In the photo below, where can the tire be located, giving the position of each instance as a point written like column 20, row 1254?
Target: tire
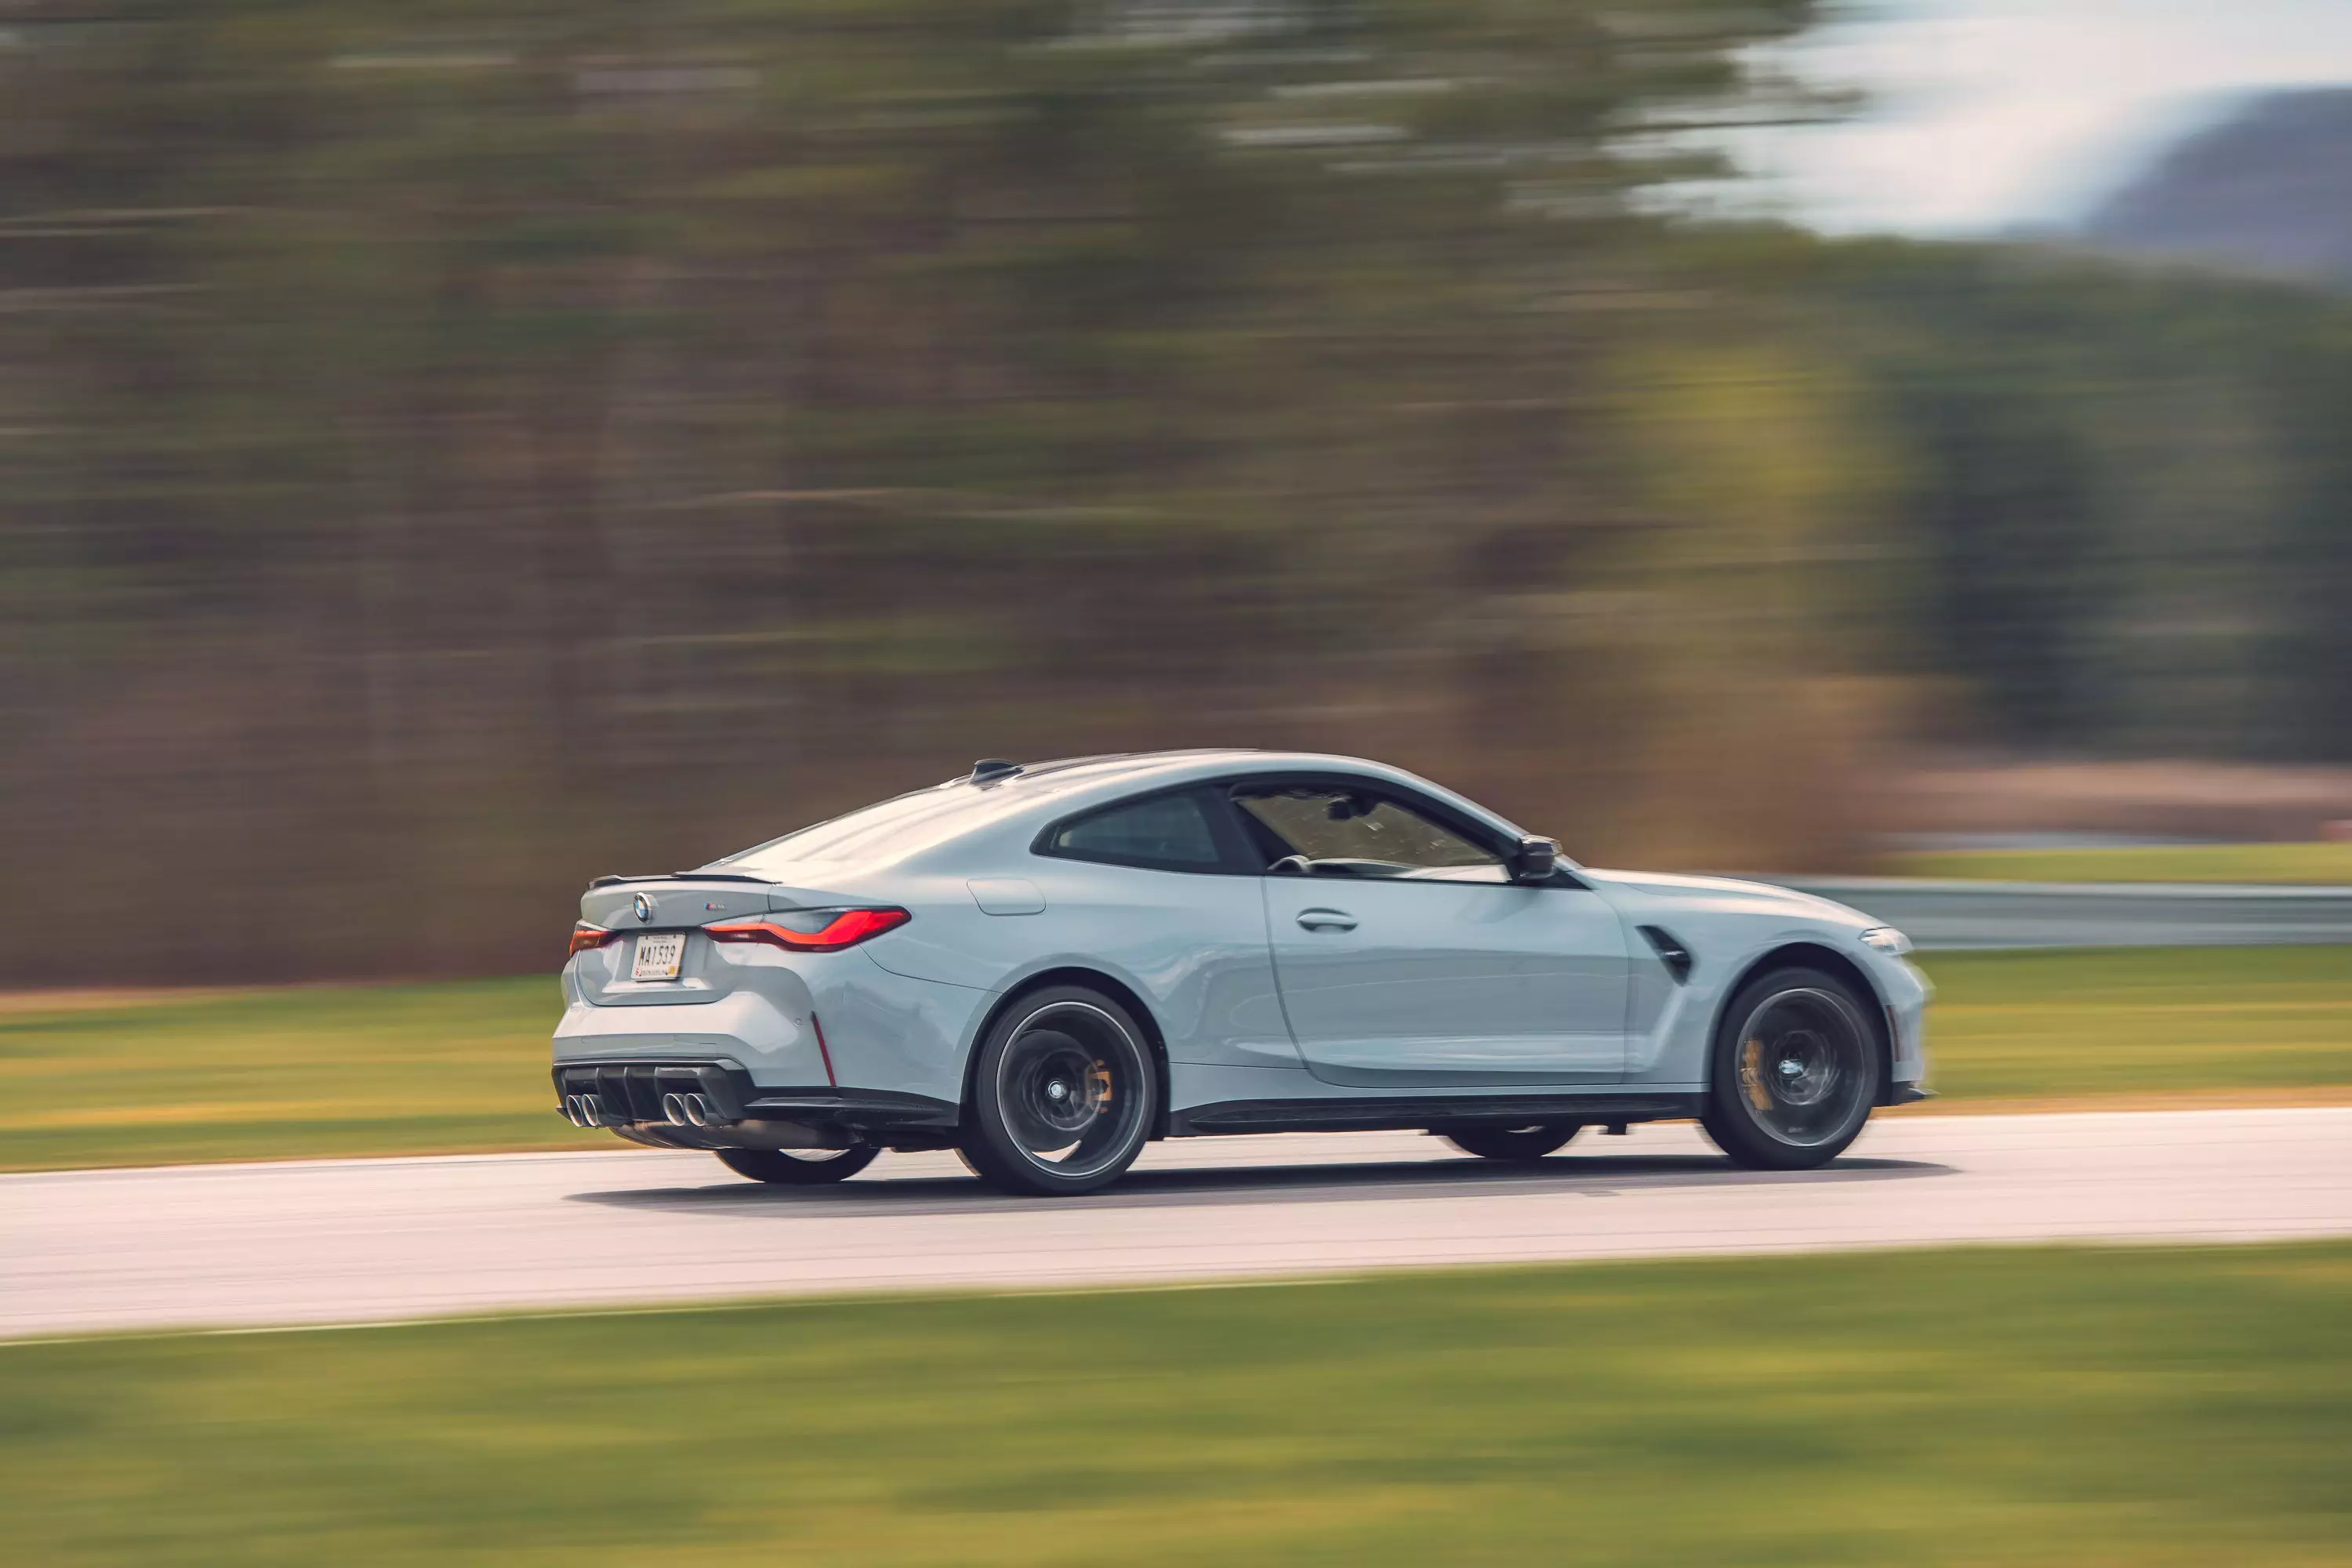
column 1063, row 1095
column 1794, row 1071
column 1521, row 1145
column 799, row 1167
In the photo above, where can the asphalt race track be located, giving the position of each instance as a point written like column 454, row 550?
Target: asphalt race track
column 348, row 1241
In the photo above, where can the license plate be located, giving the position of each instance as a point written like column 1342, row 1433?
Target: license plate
column 658, row 956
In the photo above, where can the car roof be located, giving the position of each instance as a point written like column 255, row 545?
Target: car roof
column 987, row 802
column 1075, row 782
column 1127, row 768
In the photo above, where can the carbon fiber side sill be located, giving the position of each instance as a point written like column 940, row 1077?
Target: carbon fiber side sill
column 1410, row 1114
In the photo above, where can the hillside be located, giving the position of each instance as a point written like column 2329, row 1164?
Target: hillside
column 2267, row 190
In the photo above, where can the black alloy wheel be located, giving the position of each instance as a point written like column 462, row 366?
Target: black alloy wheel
column 1063, row 1095
column 799, row 1167
column 1515, row 1144
column 1796, row 1070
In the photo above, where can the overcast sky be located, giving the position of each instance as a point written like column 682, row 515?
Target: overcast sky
column 1992, row 114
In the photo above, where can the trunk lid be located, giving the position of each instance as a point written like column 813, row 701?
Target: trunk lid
column 708, row 971
column 672, row 902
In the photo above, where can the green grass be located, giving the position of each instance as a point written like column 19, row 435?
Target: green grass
column 2130, row 1023
column 1966, row 1407
column 332, row 1070
column 2327, row 864
column 341, row 1069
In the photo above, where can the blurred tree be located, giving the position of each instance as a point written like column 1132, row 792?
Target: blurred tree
column 450, row 450
column 461, row 448
column 2125, row 487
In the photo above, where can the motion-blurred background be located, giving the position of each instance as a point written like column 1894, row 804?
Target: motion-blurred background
column 451, row 451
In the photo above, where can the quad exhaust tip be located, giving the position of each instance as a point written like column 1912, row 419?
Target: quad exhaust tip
column 677, row 1110
column 688, row 1110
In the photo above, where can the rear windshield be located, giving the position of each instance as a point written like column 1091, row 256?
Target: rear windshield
column 893, row 827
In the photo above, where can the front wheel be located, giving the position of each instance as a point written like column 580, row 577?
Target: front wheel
column 799, row 1167
column 1518, row 1145
column 1795, row 1072
column 1063, row 1095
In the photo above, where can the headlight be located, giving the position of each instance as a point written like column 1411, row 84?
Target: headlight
column 1886, row 939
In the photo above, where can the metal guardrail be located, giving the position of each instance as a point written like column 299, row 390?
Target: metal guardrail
column 1949, row 915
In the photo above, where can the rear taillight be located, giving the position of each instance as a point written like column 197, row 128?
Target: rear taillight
column 586, row 938
column 813, row 931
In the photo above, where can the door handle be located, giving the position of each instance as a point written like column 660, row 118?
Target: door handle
column 1326, row 920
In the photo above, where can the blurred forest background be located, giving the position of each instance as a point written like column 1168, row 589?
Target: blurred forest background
column 448, row 451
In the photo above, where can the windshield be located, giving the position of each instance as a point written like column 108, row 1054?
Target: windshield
column 893, row 827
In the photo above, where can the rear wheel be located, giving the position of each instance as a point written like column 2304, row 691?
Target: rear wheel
column 1796, row 1071
column 1063, row 1095
column 1513, row 1144
column 799, row 1167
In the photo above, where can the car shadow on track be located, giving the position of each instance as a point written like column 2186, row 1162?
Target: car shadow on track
column 1590, row 1176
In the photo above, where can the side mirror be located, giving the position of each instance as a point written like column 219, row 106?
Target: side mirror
column 1534, row 859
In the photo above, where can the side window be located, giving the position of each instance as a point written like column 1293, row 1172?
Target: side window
column 1167, row 832
column 1348, row 833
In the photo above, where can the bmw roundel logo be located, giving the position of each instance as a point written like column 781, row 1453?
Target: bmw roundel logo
column 644, row 909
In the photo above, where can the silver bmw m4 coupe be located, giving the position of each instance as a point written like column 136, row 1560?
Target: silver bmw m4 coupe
column 1047, row 966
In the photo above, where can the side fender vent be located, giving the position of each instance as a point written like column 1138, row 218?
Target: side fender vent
column 1670, row 951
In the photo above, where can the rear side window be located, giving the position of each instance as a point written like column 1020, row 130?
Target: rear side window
column 1167, row 832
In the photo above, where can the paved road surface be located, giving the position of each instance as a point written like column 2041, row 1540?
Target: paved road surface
column 373, row 1239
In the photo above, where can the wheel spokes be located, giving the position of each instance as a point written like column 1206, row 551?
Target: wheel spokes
column 1063, row 1099
column 1802, row 1067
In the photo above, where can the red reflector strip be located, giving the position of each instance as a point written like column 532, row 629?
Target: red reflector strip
column 847, row 928
column 586, row 938
column 823, row 1051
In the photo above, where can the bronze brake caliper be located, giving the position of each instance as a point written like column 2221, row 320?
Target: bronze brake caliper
column 1751, row 1075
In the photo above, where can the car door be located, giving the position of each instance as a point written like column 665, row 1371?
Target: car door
column 1405, row 955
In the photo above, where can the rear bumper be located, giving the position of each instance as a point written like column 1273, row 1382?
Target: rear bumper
column 879, row 1031
column 627, row 1096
